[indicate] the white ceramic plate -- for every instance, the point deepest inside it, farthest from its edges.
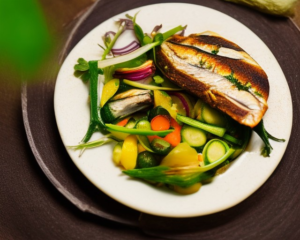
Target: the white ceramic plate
(246, 174)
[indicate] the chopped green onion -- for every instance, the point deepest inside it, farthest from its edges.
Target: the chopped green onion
(143, 132)
(218, 131)
(232, 139)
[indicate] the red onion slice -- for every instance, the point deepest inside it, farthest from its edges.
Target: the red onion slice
(108, 33)
(136, 76)
(127, 49)
(184, 103)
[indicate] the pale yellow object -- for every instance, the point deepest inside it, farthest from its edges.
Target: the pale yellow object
(109, 90)
(141, 148)
(189, 190)
(129, 152)
(180, 156)
(275, 7)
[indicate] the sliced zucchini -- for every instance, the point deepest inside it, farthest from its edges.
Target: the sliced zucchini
(194, 137)
(131, 123)
(146, 160)
(160, 146)
(143, 140)
(212, 116)
(214, 150)
(158, 111)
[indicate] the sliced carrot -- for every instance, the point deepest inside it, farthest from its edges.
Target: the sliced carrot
(200, 158)
(174, 138)
(160, 123)
(123, 122)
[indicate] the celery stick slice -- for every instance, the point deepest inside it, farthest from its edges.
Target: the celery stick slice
(218, 131)
(134, 131)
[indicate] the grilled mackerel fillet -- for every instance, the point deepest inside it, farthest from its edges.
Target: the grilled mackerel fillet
(217, 71)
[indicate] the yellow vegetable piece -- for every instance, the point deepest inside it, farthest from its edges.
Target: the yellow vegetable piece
(129, 152)
(181, 155)
(117, 153)
(197, 109)
(162, 99)
(109, 90)
(119, 135)
(141, 148)
(189, 190)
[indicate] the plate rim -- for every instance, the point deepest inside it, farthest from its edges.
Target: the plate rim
(281, 153)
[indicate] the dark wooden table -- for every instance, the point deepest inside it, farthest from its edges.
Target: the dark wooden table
(32, 208)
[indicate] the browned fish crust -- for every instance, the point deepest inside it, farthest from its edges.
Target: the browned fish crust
(201, 90)
(247, 73)
(206, 39)
(243, 71)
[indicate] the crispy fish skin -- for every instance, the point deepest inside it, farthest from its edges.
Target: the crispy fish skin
(232, 82)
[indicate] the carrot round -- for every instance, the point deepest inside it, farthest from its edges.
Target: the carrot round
(160, 123)
(123, 122)
(174, 138)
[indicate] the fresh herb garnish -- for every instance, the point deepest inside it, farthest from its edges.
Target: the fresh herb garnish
(258, 94)
(215, 52)
(237, 83)
(82, 70)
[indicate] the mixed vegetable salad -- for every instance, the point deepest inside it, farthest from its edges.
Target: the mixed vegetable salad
(163, 134)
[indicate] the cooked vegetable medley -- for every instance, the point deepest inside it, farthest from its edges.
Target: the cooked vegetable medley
(163, 134)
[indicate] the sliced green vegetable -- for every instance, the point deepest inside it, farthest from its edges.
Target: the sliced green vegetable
(218, 131)
(214, 150)
(160, 146)
(232, 139)
(194, 137)
(144, 141)
(150, 87)
(146, 160)
(212, 116)
(138, 131)
(158, 79)
(131, 123)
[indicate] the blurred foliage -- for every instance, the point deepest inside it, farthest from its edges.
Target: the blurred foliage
(273, 7)
(25, 40)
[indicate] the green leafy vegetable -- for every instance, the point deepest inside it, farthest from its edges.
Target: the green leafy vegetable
(265, 136)
(97, 143)
(96, 122)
